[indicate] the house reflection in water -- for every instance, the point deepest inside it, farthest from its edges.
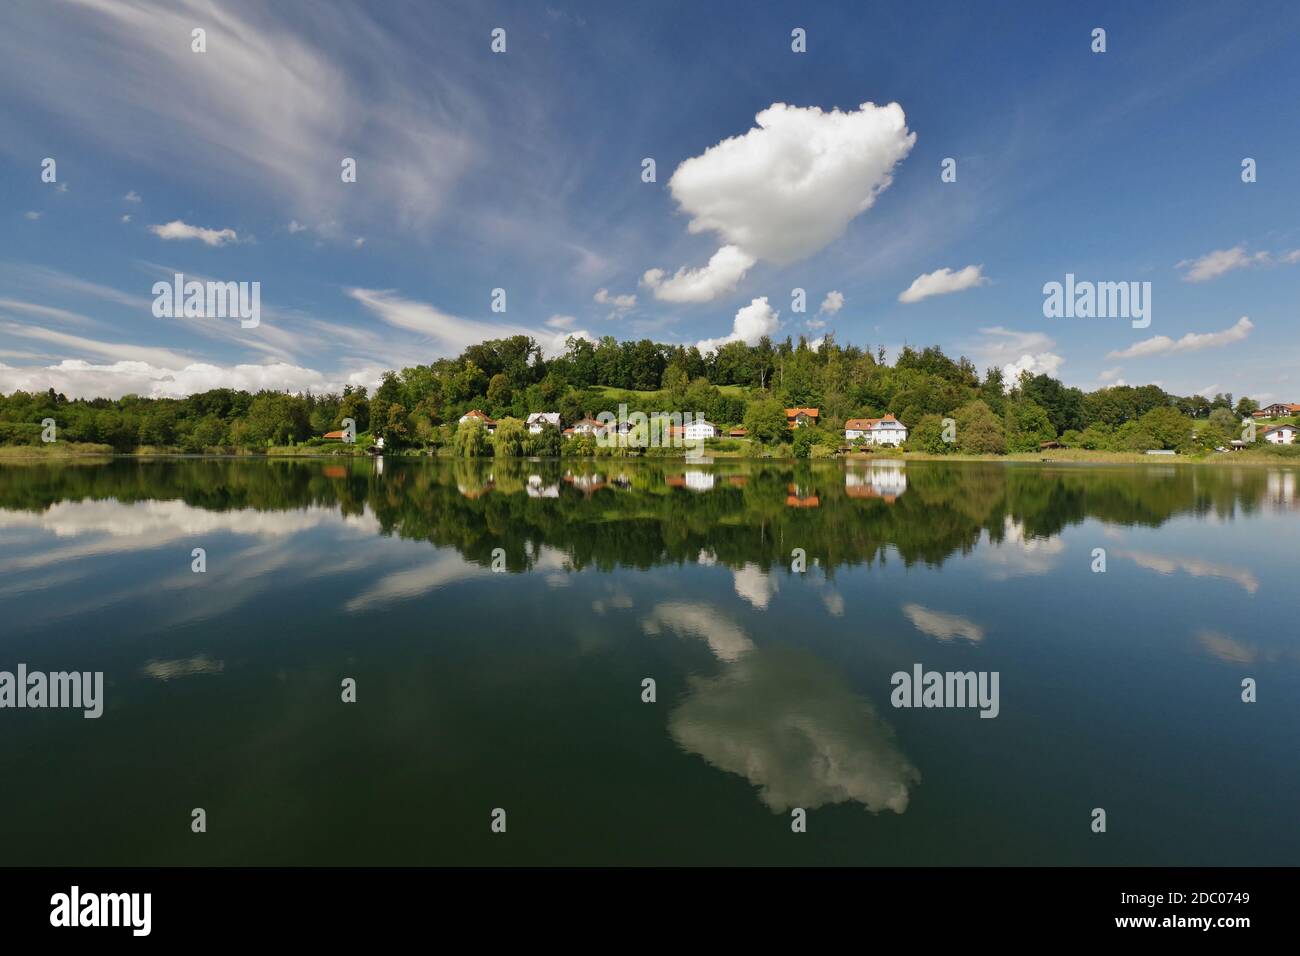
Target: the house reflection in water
(696, 479)
(1281, 488)
(801, 497)
(885, 480)
(539, 489)
(585, 483)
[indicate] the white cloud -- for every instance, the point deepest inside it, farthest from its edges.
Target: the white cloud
(619, 303)
(126, 217)
(33, 215)
(751, 323)
(1221, 261)
(943, 282)
(296, 227)
(784, 190)
(268, 102)
(561, 321)
(46, 311)
(725, 269)
(1196, 567)
(755, 585)
(358, 242)
(796, 731)
(113, 350)
(726, 640)
(1015, 352)
(183, 230)
(132, 196)
(941, 625)
(1191, 342)
(1110, 375)
(80, 379)
(833, 302)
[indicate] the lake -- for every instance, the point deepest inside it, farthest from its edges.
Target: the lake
(499, 620)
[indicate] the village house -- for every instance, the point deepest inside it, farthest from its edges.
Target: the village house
(876, 431)
(1277, 410)
(488, 424)
(334, 436)
(699, 430)
(797, 417)
(739, 431)
(588, 426)
(539, 420)
(1280, 434)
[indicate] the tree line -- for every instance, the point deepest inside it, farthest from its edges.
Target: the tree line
(419, 406)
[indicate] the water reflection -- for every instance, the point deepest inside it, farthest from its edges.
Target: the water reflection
(885, 480)
(789, 725)
(744, 515)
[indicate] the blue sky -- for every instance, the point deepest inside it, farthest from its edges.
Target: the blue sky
(522, 171)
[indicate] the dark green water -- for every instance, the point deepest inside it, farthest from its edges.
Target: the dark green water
(522, 689)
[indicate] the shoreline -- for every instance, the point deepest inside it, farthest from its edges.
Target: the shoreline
(81, 453)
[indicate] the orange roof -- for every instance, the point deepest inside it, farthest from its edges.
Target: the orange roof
(475, 413)
(795, 412)
(338, 435)
(862, 424)
(794, 501)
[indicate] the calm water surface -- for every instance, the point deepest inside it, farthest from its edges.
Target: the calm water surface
(522, 689)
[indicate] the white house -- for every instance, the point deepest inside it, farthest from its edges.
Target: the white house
(539, 420)
(876, 431)
(488, 424)
(588, 426)
(1280, 434)
(699, 429)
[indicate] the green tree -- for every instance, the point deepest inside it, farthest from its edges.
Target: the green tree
(978, 430)
(765, 421)
(927, 436)
(471, 440)
(509, 438)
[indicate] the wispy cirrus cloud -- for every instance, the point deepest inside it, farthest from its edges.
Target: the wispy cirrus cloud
(451, 334)
(260, 108)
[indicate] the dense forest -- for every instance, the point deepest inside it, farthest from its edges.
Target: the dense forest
(418, 407)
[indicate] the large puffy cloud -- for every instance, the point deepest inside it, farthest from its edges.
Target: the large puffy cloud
(784, 190)
(943, 282)
(1191, 342)
(749, 326)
